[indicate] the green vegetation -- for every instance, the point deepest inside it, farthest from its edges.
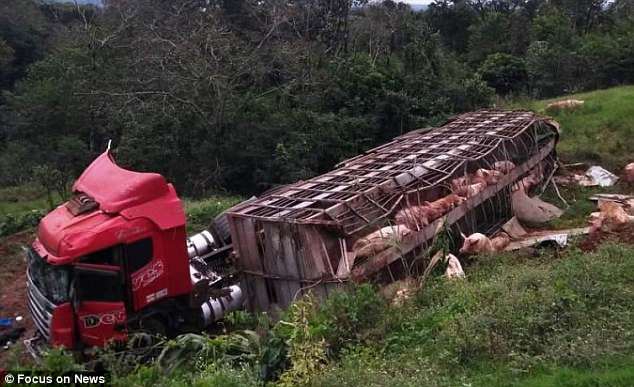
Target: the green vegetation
(200, 213)
(599, 132)
(240, 96)
(558, 319)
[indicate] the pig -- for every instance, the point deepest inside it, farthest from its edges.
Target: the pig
(460, 182)
(416, 217)
(479, 243)
(471, 190)
(534, 177)
(504, 166)
(380, 240)
(487, 176)
(612, 217)
(568, 104)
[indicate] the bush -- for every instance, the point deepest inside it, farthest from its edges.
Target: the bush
(16, 223)
(505, 73)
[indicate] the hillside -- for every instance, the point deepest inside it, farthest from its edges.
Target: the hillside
(546, 319)
(601, 132)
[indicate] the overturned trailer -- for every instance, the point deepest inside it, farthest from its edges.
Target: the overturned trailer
(301, 237)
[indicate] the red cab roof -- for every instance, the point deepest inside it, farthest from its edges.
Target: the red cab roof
(115, 188)
(129, 204)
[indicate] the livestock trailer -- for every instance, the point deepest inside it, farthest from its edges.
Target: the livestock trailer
(300, 238)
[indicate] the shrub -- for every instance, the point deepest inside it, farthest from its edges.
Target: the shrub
(16, 223)
(505, 73)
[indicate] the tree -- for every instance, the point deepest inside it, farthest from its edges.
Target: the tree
(505, 73)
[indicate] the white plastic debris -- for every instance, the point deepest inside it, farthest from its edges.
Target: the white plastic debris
(601, 176)
(19, 318)
(454, 268)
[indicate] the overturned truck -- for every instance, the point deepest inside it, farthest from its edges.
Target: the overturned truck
(378, 215)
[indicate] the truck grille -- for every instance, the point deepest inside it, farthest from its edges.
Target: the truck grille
(40, 307)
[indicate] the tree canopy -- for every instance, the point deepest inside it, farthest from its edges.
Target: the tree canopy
(242, 95)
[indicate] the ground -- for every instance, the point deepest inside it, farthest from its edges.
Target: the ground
(13, 280)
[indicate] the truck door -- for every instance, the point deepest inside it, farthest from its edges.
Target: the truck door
(99, 303)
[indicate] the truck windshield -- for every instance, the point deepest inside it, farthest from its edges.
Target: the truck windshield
(52, 281)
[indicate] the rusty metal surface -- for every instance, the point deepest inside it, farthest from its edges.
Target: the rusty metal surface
(367, 188)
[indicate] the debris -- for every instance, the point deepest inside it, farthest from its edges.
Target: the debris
(568, 104)
(18, 318)
(380, 240)
(560, 237)
(629, 173)
(611, 198)
(514, 228)
(576, 165)
(479, 243)
(454, 268)
(6, 322)
(533, 210)
(11, 335)
(592, 177)
(602, 177)
(575, 178)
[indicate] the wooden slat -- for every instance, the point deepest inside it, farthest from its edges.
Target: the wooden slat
(249, 259)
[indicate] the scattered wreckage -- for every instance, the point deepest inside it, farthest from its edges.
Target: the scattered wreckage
(378, 215)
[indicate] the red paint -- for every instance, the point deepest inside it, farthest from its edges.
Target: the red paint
(63, 326)
(131, 206)
(101, 322)
(115, 188)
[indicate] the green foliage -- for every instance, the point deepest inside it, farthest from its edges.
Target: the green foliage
(10, 224)
(59, 361)
(198, 351)
(505, 73)
(513, 321)
(600, 132)
(306, 350)
(200, 213)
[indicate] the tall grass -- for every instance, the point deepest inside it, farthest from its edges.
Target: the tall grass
(601, 132)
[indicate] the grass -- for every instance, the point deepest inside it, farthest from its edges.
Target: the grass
(19, 200)
(200, 213)
(561, 319)
(601, 132)
(514, 321)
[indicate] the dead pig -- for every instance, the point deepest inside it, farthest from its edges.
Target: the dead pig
(612, 217)
(417, 217)
(380, 240)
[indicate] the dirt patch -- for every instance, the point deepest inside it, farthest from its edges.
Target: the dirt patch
(13, 282)
(592, 241)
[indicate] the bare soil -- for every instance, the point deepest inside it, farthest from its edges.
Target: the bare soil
(592, 241)
(13, 284)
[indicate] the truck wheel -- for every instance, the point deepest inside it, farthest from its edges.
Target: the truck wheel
(154, 325)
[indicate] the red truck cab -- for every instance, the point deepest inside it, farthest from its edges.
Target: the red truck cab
(112, 257)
